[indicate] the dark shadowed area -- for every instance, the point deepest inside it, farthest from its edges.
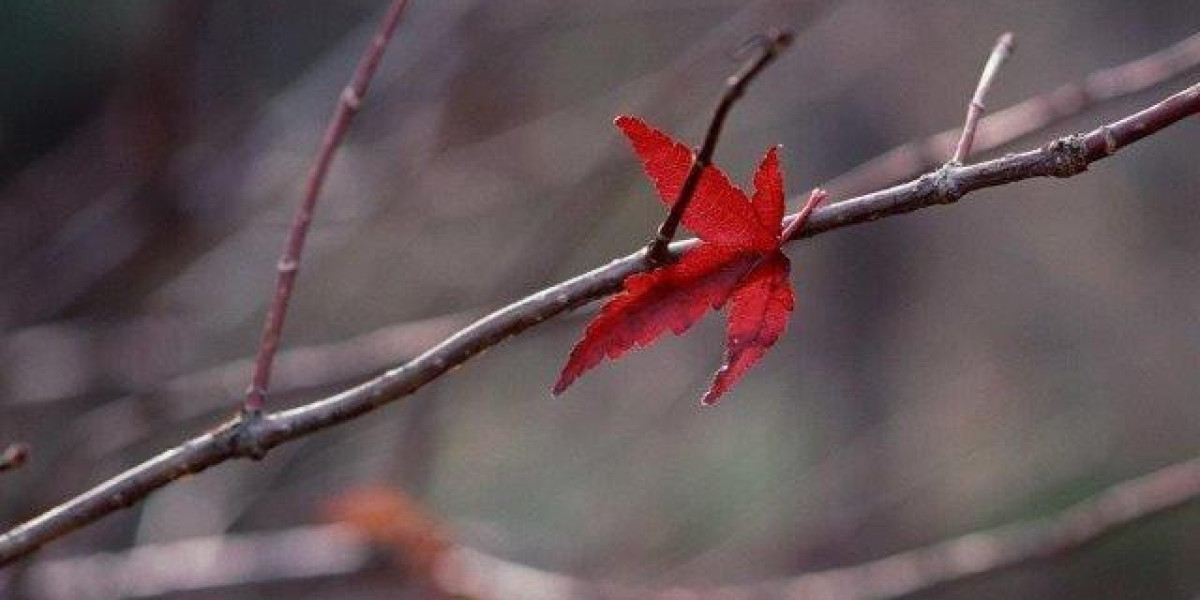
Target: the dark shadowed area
(965, 367)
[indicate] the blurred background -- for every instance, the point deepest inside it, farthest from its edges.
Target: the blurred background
(945, 372)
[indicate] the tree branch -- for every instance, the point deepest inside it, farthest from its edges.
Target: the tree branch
(328, 551)
(289, 264)
(770, 45)
(904, 162)
(975, 110)
(1063, 157)
(1028, 117)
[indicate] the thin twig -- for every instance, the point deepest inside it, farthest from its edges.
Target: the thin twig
(330, 551)
(14, 456)
(289, 264)
(1023, 119)
(975, 110)
(1063, 157)
(769, 46)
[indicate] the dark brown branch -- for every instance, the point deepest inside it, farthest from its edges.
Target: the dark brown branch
(330, 551)
(975, 110)
(769, 47)
(1063, 157)
(1023, 119)
(14, 456)
(289, 264)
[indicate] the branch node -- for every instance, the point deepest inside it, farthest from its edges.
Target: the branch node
(941, 185)
(351, 98)
(1110, 140)
(287, 264)
(246, 434)
(1068, 156)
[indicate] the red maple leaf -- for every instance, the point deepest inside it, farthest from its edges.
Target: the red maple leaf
(737, 262)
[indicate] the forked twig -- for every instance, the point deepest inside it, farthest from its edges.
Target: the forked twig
(1025, 118)
(769, 46)
(289, 264)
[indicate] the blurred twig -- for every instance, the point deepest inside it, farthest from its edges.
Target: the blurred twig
(956, 560)
(1063, 157)
(219, 562)
(975, 110)
(14, 456)
(304, 368)
(769, 47)
(289, 264)
(1025, 118)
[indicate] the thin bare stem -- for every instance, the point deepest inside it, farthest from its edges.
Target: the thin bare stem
(289, 264)
(334, 550)
(14, 456)
(815, 198)
(769, 46)
(1063, 157)
(1025, 118)
(1000, 53)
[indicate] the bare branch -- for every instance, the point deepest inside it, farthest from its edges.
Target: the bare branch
(770, 45)
(1023, 119)
(1064, 157)
(289, 264)
(975, 110)
(329, 551)
(14, 456)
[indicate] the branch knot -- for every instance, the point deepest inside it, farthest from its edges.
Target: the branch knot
(1068, 156)
(944, 185)
(247, 434)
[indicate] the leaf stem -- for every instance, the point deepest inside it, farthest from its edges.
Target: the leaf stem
(769, 45)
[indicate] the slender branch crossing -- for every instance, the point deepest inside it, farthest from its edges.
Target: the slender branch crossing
(1063, 157)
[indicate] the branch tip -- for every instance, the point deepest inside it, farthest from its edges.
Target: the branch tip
(976, 107)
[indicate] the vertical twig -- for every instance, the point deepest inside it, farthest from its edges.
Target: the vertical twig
(1000, 53)
(289, 263)
(14, 456)
(770, 45)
